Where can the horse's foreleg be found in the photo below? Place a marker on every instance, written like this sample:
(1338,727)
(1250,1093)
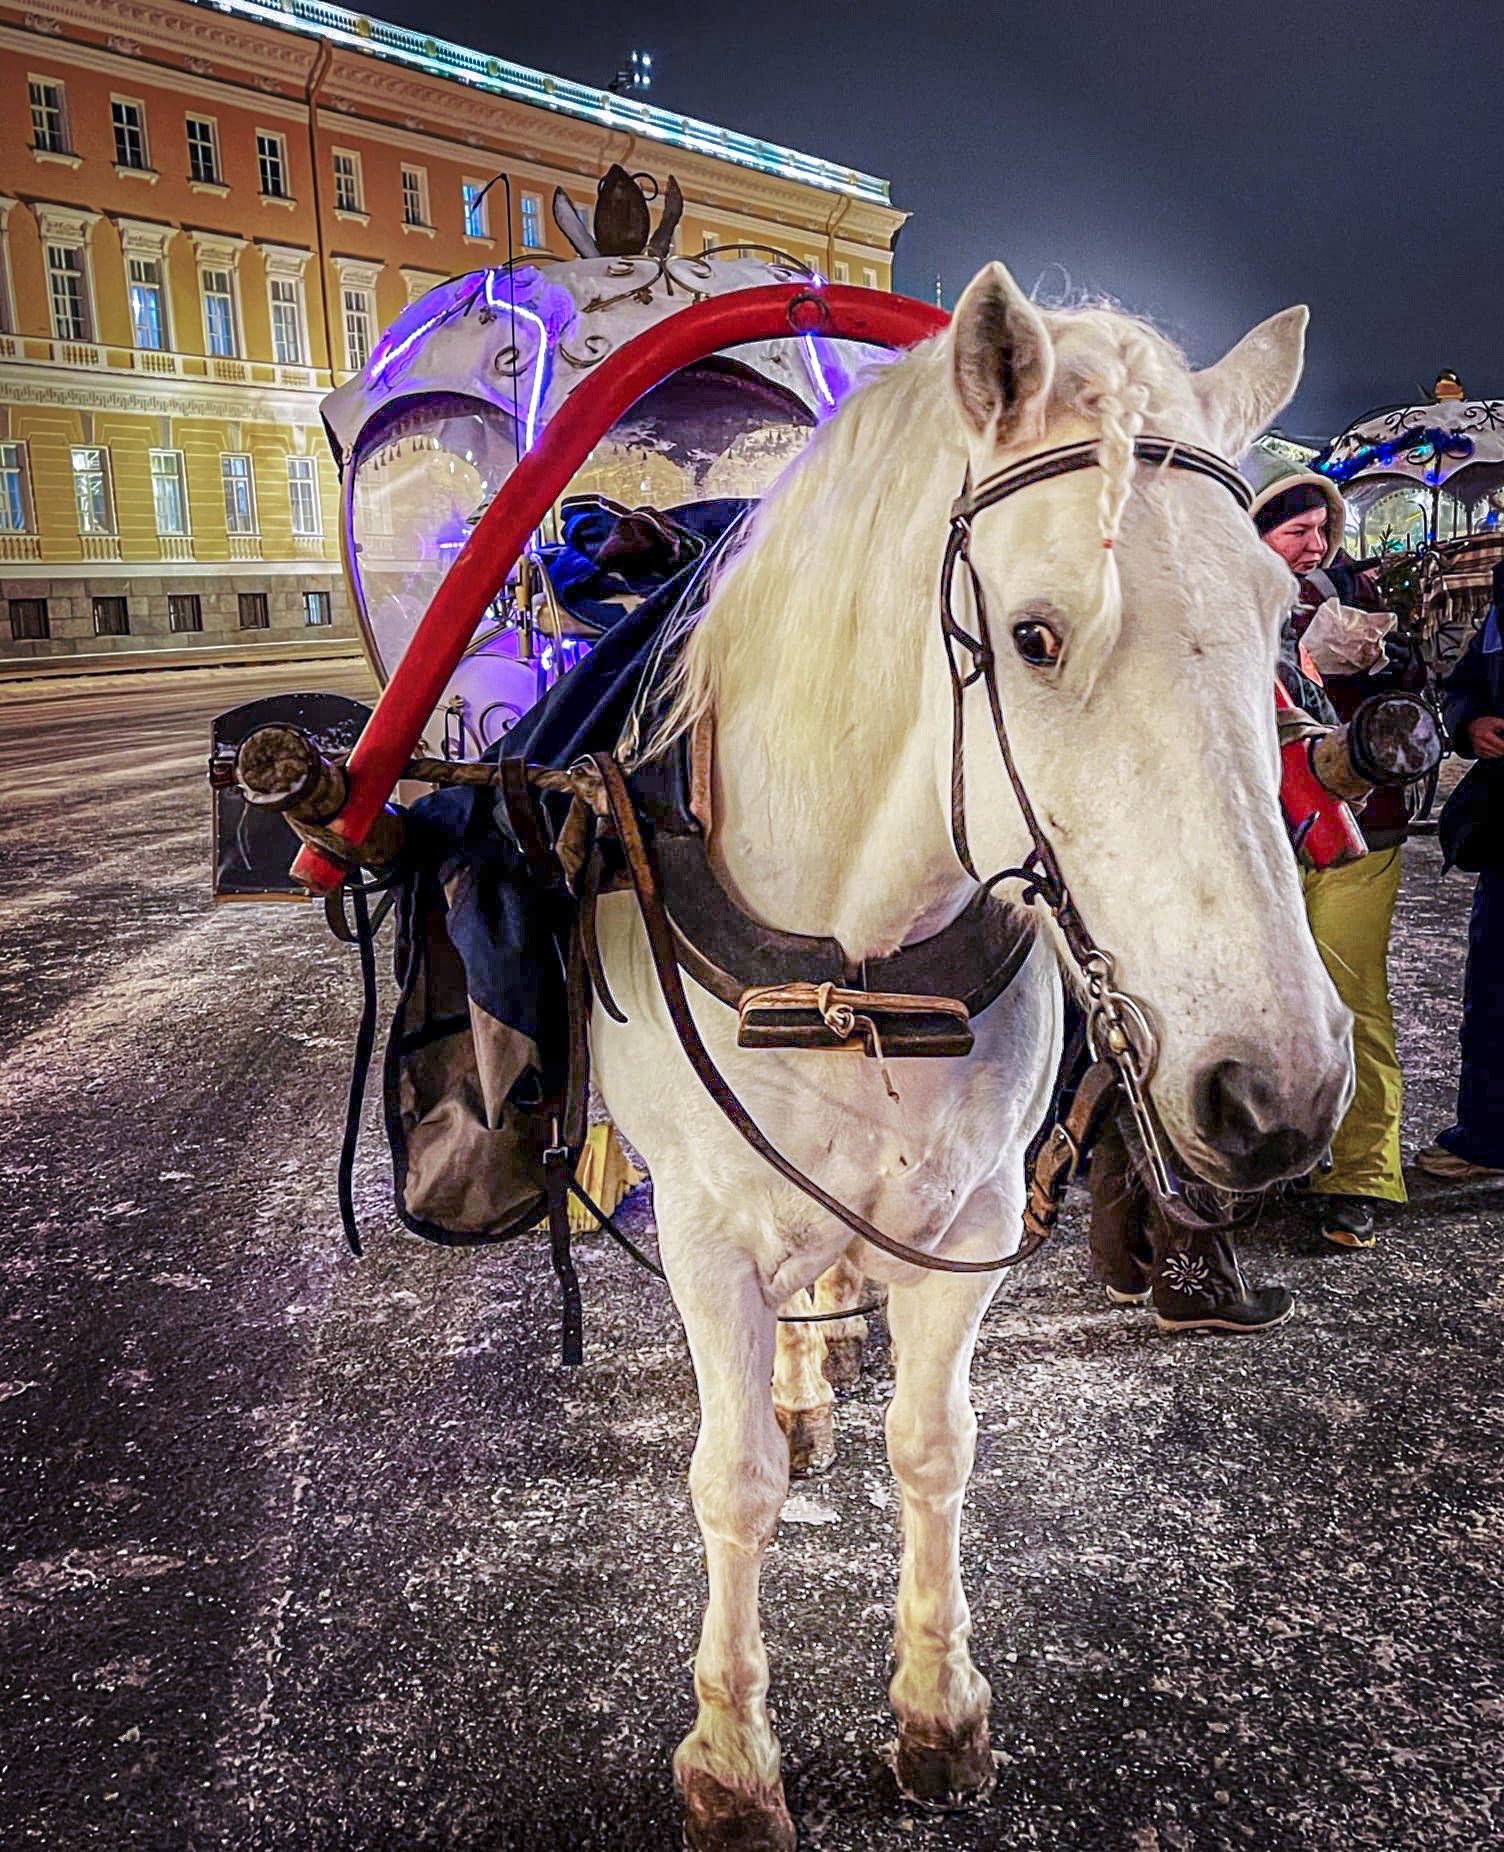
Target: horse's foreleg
(838,1289)
(940,1699)
(727,1768)
(803,1399)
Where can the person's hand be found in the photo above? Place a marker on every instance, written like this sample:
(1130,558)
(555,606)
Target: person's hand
(1486,736)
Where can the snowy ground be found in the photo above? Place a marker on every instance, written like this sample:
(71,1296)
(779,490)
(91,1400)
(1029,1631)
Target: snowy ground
(300,1552)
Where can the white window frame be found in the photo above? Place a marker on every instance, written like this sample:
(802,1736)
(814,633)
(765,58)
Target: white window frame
(278,154)
(357,304)
(18,468)
(284,267)
(289,312)
(353,206)
(177,475)
(143,166)
(303,501)
(842,271)
(85,328)
(322,602)
(158,286)
(869,277)
(246,476)
(229,294)
(216,174)
(107,478)
(356,277)
(532,209)
(7,288)
(218,253)
(424,220)
(142,241)
(38,80)
(482,220)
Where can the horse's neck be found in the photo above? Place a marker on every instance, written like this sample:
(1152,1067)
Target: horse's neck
(866,859)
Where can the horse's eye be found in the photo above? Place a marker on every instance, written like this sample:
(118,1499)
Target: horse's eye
(1036,643)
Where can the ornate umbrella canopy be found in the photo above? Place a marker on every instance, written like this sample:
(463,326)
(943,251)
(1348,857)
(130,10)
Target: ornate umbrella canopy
(1451,446)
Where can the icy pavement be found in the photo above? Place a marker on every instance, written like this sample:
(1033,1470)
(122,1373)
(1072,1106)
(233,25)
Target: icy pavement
(300,1552)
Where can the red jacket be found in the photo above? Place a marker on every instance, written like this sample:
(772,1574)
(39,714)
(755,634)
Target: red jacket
(1384,818)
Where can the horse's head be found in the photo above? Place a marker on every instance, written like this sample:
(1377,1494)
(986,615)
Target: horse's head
(1135,613)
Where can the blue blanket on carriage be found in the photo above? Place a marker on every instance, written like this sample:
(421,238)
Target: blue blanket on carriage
(479,1037)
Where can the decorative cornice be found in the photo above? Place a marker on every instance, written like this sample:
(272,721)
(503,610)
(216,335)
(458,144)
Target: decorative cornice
(64,224)
(262,404)
(143,238)
(221,249)
(356,272)
(283,260)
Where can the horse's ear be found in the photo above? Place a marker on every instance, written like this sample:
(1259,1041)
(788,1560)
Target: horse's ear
(1253,382)
(1003,361)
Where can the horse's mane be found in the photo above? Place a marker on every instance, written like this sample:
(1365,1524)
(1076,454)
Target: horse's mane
(821,613)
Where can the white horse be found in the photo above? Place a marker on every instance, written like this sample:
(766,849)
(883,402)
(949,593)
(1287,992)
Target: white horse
(1136,677)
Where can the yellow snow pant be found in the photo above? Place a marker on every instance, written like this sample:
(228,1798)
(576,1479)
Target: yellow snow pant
(1351,910)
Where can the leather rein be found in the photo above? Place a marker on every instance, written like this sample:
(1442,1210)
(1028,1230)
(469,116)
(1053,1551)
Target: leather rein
(1120,1035)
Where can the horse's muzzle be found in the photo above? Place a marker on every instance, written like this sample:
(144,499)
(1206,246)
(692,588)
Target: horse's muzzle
(1257,1128)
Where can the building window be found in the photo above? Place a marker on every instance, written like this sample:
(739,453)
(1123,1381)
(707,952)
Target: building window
(532,221)
(203,151)
(240,495)
(129,121)
(287,322)
(15,490)
(168,492)
(303,494)
(843,271)
(477,217)
(68,291)
(253,612)
(271,161)
(148,306)
(316,608)
(360,319)
(49,117)
(185,612)
(28,620)
(219,314)
(91,490)
(112,617)
(869,278)
(414,196)
(349,194)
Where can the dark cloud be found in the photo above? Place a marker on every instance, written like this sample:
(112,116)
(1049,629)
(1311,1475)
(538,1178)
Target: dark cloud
(1203,165)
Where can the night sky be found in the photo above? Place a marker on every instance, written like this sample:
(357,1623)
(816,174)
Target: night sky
(1203,164)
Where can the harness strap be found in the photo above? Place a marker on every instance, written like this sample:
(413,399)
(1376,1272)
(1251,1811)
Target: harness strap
(601,772)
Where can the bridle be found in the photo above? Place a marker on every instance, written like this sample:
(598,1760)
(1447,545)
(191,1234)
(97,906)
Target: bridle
(1119,1028)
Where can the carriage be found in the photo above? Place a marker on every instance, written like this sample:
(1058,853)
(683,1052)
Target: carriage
(1426,486)
(858,836)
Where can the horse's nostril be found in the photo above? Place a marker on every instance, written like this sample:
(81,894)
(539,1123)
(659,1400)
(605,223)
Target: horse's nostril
(1231,1103)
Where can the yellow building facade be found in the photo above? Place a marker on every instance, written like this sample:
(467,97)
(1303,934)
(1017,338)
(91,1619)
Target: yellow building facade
(208,212)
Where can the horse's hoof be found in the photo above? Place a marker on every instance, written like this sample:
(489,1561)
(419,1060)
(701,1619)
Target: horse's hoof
(843,1362)
(944,1767)
(811,1435)
(721,1818)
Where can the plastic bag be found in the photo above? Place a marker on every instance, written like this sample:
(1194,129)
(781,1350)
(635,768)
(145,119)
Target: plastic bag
(1341,640)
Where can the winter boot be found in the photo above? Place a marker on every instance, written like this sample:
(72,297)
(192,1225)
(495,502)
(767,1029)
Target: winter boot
(1199,1286)
(1122,1256)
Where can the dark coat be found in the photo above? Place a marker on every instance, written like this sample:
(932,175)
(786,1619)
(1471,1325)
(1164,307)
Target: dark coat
(1471,825)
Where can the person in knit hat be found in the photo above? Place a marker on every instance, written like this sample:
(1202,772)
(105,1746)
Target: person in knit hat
(1339,634)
